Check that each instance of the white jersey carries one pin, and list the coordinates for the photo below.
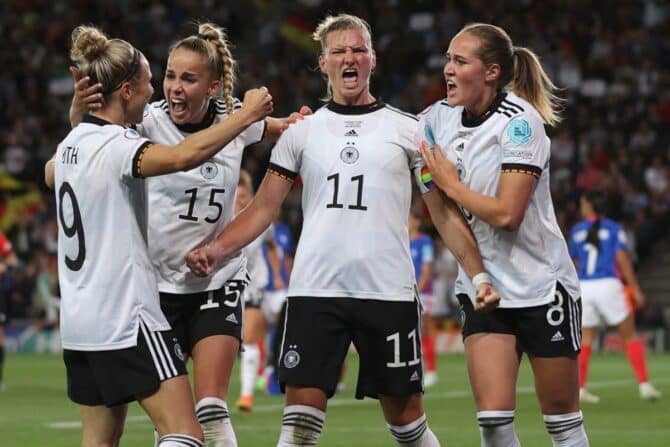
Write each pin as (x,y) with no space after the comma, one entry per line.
(355,164)
(256,265)
(189,209)
(524,264)
(106,278)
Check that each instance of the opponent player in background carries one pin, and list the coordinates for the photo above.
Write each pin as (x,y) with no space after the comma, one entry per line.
(422,251)
(599,249)
(190,208)
(492,158)
(352,278)
(118,344)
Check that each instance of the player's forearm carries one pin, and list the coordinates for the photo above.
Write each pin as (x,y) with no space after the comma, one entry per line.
(274,260)
(198,147)
(455,232)
(625,266)
(50,172)
(491,210)
(424,277)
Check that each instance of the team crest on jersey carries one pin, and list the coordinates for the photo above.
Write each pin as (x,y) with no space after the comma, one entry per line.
(291,358)
(209,170)
(519,131)
(461,169)
(131,134)
(349,155)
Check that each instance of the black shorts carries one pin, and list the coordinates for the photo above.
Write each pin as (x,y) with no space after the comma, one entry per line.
(317,334)
(120,376)
(194,316)
(550,330)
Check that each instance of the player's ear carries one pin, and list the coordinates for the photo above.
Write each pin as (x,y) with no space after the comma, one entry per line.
(373,61)
(322,64)
(493,72)
(125,91)
(214,88)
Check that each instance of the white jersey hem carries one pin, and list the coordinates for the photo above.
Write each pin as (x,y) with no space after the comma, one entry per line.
(405,297)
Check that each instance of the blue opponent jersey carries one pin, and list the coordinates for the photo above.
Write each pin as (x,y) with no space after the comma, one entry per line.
(597,262)
(284,239)
(422,250)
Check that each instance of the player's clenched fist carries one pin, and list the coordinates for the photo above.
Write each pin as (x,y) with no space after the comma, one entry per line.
(487,299)
(258,103)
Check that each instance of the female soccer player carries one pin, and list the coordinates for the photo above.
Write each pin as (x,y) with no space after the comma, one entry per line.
(352,278)
(118,345)
(492,158)
(598,247)
(188,209)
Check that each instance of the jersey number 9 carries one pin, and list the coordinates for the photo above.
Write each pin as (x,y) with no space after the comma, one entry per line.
(76,228)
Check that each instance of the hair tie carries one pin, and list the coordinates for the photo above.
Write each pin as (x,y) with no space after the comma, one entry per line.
(134,67)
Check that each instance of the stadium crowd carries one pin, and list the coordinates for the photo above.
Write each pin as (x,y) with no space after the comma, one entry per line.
(615,134)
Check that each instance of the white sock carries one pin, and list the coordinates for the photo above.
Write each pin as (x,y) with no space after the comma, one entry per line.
(215,421)
(251,359)
(566,430)
(496,428)
(301,425)
(414,434)
(177,440)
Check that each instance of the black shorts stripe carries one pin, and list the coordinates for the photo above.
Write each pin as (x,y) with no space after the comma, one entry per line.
(282,172)
(522,168)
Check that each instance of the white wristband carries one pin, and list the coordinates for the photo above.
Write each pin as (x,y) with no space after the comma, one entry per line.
(481,278)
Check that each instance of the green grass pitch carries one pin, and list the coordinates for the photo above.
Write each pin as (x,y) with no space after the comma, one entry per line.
(34,410)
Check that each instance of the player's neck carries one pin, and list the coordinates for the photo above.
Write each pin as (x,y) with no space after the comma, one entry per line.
(111,114)
(363,99)
(482,107)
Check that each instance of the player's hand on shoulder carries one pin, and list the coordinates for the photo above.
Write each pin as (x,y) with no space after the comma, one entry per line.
(258,103)
(487,299)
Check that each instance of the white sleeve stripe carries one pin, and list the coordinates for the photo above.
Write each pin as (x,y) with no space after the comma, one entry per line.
(166,352)
(147,339)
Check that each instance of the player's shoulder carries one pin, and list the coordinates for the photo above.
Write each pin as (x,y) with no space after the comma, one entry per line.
(511,108)
(610,224)
(399,114)
(222,108)
(579,230)
(439,107)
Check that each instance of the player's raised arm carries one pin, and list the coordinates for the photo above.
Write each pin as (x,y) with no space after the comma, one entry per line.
(198,147)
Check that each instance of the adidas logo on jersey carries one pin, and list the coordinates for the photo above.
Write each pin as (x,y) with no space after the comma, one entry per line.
(414,377)
(557,336)
(351,133)
(232,318)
